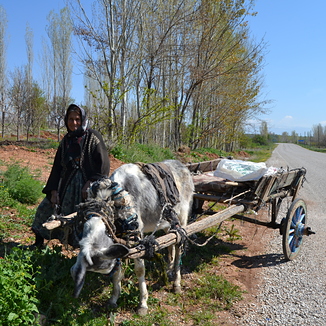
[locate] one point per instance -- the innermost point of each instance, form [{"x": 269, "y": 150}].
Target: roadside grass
[
  {"x": 314, "y": 148},
  {"x": 141, "y": 153},
  {"x": 153, "y": 153},
  {"x": 261, "y": 153}
]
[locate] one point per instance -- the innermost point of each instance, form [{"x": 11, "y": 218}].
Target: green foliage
[
  {"x": 215, "y": 291},
  {"x": 141, "y": 153},
  {"x": 260, "y": 140},
  {"x": 261, "y": 154},
  {"x": 54, "y": 285},
  {"x": 5, "y": 198},
  {"x": 160, "y": 317},
  {"x": 38, "y": 283},
  {"x": 233, "y": 233},
  {"x": 21, "y": 185},
  {"x": 206, "y": 151},
  {"x": 314, "y": 148},
  {"x": 18, "y": 300},
  {"x": 49, "y": 144},
  {"x": 254, "y": 141},
  {"x": 204, "y": 154},
  {"x": 154, "y": 110},
  {"x": 119, "y": 152},
  {"x": 8, "y": 225}
]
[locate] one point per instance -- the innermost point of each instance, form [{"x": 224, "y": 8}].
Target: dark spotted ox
[{"x": 99, "y": 252}]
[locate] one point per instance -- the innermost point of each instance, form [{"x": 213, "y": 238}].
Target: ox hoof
[
  {"x": 142, "y": 311},
  {"x": 177, "y": 289},
  {"x": 112, "y": 305}
]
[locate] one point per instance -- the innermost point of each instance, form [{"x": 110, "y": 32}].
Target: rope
[
  {"x": 67, "y": 230},
  {"x": 109, "y": 226}
]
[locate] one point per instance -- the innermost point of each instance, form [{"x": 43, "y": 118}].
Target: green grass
[
  {"x": 141, "y": 153},
  {"x": 314, "y": 148},
  {"x": 214, "y": 291},
  {"x": 260, "y": 154}
]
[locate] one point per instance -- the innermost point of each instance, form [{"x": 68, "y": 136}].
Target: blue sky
[
  {"x": 295, "y": 62},
  {"x": 34, "y": 13},
  {"x": 295, "y": 65}
]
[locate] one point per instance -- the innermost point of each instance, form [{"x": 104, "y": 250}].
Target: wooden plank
[
  {"x": 171, "y": 238},
  {"x": 208, "y": 183},
  {"x": 203, "y": 166},
  {"x": 263, "y": 189}
]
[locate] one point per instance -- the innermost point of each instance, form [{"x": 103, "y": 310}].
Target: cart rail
[{"x": 254, "y": 194}]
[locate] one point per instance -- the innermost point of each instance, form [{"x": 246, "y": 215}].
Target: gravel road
[{"x": 294, "y": 293}]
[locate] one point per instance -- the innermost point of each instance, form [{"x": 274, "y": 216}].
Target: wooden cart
[
  {"x": 252, "y": 195},
  {"x": 240, "y": 198}
]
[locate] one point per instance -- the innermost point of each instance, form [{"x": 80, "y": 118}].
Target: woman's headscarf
[
  {"x": 75, "y": 140},
  {"x": 84, "y": 121}
]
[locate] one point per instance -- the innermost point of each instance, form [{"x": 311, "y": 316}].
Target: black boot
[{"x": 39, "y": 240}]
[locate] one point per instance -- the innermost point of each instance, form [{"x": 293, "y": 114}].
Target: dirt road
[{"x": 294, "y": 293}]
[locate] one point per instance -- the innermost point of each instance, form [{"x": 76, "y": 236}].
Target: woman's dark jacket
[{"x": 87, "y": 153}]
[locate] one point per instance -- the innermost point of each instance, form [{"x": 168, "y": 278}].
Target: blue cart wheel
[{"x": 294, "y": 227}]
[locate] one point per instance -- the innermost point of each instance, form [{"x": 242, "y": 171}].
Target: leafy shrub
[
  {"x": 34, "y": 283},
  {"x": 5, "y": 199},
  {"x": 18, "y": 292},
  {"x": 21, "y": 185}
]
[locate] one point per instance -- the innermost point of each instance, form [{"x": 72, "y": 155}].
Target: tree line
[
  {"x": 316, "y": 137},
  {"x": 169, "y": 72}
]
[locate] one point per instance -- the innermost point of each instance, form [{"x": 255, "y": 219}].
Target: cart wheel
[{"x": 295, "y": 222}]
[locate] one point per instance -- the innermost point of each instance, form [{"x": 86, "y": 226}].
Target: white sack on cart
[{"x": 238, "y": 170}]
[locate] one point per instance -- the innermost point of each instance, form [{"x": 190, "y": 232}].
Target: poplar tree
[
  {"x": 3, "y": 76},
  {"x": 59, "y": 60},
  {"x": 180, "y": 72}
]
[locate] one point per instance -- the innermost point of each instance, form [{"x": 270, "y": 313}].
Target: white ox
[{"x": 98, "y": 250}]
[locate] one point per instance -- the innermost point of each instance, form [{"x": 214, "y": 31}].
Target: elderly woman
[{"x": 80, "y": 159}]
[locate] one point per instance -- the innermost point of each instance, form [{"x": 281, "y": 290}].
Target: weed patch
[{"x": 20, "y": 185}]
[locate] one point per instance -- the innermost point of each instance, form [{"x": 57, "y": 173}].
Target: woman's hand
[
  {"x": 84, "y": 190},
  {"x": 54, "y": 197}
]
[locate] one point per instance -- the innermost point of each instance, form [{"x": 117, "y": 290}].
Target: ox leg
[
  {"x": 171, "y": 261},
  {"x": 175, "y": 253},
  {"x": 174, "y": 271},
  {"x": 177, "y": 270},
  {"x": 140, "y": 273},
  {"x": 116, "y": 281}
]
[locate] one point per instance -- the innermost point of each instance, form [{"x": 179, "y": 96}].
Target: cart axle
[{"x": 307, "y": 231}]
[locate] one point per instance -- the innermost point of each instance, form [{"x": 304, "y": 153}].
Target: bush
[
  {"x": 18, "y": 291},
  {"x": 5, "y": 199},
  {"x": 37, "y": 283},
  {"x": 21, "y": 185}
]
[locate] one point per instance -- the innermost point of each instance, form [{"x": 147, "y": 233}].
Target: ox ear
[{"x": 116, "y": 251}]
